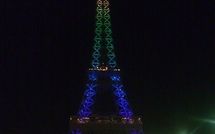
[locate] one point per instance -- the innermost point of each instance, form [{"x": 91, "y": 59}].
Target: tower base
[{"x": 105, "y": 125}]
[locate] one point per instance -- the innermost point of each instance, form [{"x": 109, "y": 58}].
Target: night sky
[{"x": 165, "y": 51}]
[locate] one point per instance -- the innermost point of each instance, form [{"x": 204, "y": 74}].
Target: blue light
[
  {"x": 88, "y": 101},
  {"x": 119, "y": 93},
  {"x": 92, "y": 76},
  {"x": 115, "y": 78},
  {"x": 118, "y": 86},
  {"x": 124, "y": 108},
  {"x": 103, "y": 38},
  {"x": 76, "y": 131}
]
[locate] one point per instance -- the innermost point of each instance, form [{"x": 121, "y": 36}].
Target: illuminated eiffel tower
[{"x": 104, "y": 75}]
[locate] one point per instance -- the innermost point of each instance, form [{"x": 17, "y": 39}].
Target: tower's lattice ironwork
[
  {"x": 103, "y": 36},
  {"x": 104, "y": 63},
  {"x": 103, "y": 39}
]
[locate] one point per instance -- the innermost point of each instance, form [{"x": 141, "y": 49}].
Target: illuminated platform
[{"x": 106, "y": 125}]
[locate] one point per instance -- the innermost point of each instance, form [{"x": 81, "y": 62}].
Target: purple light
[{"x": 136, "y": 132}]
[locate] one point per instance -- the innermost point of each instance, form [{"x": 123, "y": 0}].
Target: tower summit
[{"x": 103, "y": 76}]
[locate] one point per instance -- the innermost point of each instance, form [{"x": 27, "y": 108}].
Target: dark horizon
[{"x": 164, "y": 48}]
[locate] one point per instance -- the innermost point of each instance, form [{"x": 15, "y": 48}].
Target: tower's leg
[
  {"x": 121, "y": 100},
  {"x": 89, "y": 94}
]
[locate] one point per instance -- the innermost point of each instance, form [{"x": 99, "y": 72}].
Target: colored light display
[
  {"x": 89, "y": 94},
  {"x": 124, "y": 108},
  {"x": 108, "y": 32},
  {"x": 98, "y": 37},
  {"x": 103, "y": 39},
  {"x": 103, "y": 27}
]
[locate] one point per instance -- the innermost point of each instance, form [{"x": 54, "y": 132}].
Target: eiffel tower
[{"x": 103, "y": 76}]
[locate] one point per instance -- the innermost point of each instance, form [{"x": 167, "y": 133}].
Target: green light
[
  {"x": 183, "y": 132},
  {"x": 103, "y": 35},
  {"x": 109, "y": 40},
  {"x": 195, "y": 130},
  {"x": 208, "y": 121},
  {"x": 98, "y": 31}
]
